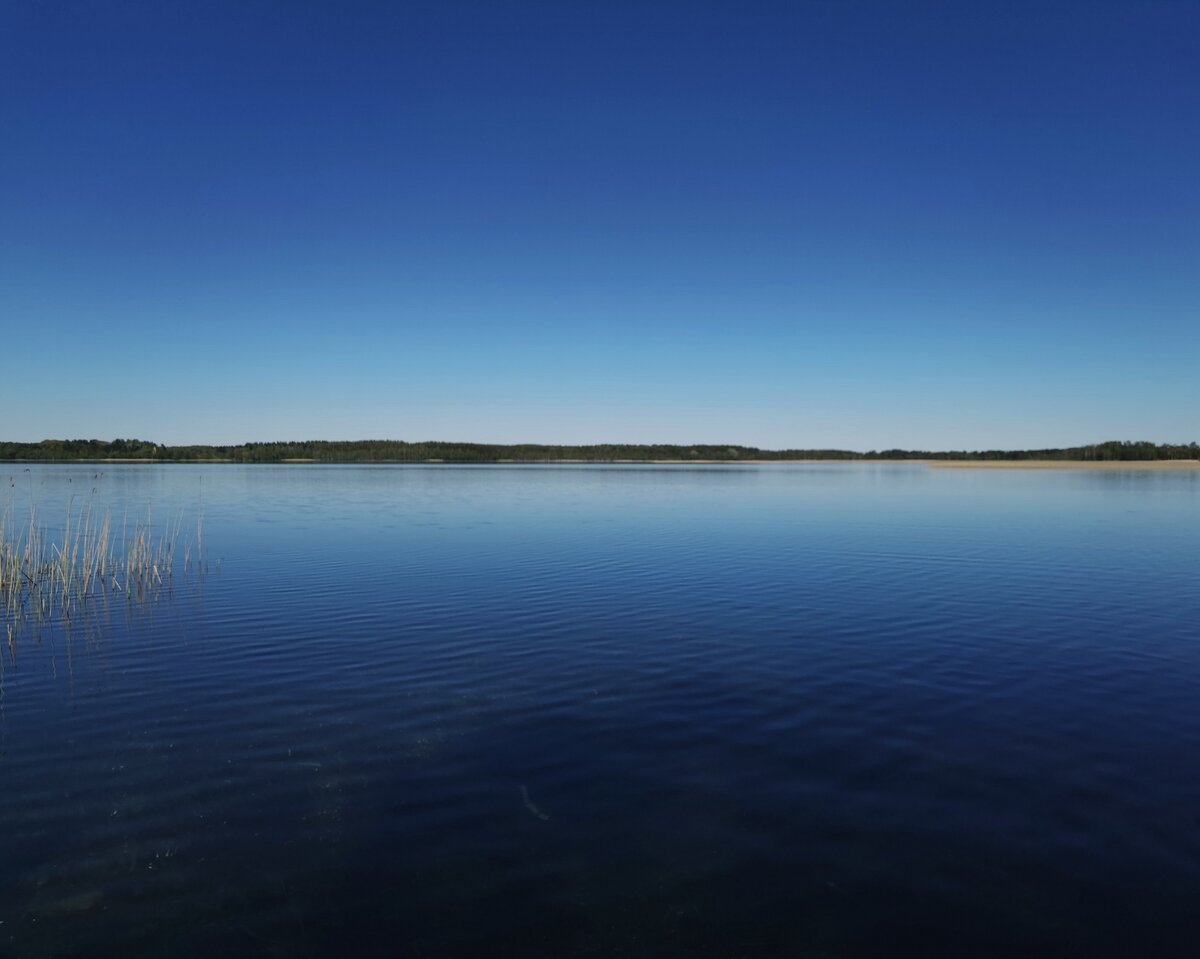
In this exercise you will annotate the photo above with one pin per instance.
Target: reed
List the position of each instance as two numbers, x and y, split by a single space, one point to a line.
46 578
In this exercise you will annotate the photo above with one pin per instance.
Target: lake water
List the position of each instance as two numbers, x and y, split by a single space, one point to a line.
786 710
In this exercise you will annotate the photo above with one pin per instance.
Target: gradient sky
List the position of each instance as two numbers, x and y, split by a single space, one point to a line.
809 224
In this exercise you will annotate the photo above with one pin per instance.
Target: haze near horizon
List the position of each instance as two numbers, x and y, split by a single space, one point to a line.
861 226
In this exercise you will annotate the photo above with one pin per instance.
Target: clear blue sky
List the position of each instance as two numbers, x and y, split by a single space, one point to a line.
852 224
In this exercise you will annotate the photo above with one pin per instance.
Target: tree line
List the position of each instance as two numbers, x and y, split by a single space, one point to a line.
397 451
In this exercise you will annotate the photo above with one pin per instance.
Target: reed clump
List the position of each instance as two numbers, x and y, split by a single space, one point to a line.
47 577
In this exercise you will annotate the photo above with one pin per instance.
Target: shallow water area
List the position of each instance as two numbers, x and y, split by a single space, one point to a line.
818 709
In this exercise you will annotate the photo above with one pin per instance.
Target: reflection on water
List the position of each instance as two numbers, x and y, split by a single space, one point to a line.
783 710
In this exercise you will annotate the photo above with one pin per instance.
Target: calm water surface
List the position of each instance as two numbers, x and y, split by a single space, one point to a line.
549 711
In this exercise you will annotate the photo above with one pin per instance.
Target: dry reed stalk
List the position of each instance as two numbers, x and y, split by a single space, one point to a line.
46 579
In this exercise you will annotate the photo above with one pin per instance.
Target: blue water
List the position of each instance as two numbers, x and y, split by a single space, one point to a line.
787 710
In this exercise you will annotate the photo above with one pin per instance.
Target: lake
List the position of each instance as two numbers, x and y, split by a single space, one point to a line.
777 710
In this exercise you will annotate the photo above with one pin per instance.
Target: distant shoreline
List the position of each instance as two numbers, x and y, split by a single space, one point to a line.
1066 464
1111 454
1106 465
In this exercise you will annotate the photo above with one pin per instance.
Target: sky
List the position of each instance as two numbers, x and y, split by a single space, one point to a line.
861 225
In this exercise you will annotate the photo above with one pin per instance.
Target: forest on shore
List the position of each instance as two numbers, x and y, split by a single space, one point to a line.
397 451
